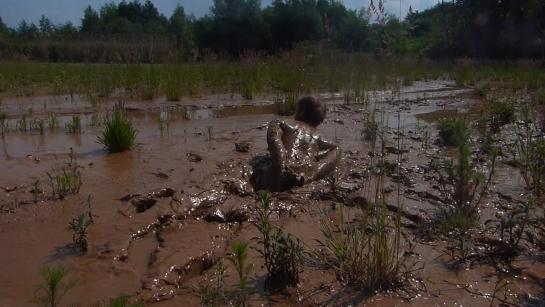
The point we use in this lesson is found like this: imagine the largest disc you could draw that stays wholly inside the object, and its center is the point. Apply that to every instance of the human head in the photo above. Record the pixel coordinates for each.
(310, 111)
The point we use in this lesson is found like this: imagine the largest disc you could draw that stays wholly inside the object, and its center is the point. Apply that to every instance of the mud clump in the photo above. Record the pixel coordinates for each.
(193, 157)
(242, 147)
(143, 204)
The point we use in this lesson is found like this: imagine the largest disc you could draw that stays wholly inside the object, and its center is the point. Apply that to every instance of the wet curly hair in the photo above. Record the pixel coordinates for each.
(310, 111)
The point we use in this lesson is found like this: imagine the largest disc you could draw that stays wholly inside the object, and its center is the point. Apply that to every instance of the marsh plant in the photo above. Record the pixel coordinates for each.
(286, 104)
(74, 125)
(367, 254)
(213, 291)
(22, 123)
(239, 259)
(38, 125)
(52, 121)
(510, 226)
(53, 288)
(501, 113)
(463, 188)
(531, 153)
(119, 134)
(453, 131)
(3, 123)
(78, 226)
(123, 301)
(283, 254)
(65, 180)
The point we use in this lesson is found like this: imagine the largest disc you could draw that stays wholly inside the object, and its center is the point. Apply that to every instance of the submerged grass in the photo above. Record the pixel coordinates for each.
(119, 134)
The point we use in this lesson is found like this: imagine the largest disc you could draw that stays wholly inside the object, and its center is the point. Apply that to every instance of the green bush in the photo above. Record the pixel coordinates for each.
(119, 134)
(453, 131)
(501, 114)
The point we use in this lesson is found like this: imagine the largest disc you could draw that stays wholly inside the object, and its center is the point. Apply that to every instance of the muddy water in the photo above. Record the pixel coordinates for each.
(159, 254)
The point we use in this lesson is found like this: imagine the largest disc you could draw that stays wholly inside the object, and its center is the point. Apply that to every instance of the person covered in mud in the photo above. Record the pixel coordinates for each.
(298, 153)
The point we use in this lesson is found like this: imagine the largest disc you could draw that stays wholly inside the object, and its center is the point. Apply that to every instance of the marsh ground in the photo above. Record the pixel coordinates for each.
(161, 255)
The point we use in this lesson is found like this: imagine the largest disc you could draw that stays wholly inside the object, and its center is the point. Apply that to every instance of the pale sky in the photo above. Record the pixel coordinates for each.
(60, 11)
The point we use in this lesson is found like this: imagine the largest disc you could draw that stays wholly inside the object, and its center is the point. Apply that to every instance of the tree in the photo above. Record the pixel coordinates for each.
(180, 30)
(90, 21)
(46, 27)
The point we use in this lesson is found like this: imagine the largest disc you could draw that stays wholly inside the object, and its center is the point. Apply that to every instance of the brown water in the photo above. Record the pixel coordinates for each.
(159, 255)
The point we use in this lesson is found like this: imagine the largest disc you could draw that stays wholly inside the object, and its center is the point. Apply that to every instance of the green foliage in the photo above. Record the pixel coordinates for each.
(531, 153)
(22, 124)
(119, 134)
(53, 289)
(74, 125)
(286, 104)
(123, 301)
(364, 253)
(239, 259)
(79, 225)
(213, 291)
(52, 121)
(65, 181)
(453, 131)
(539, 96)
(501, 114)
(463, 188)
(283, 254)
(3, 123)
(511, 226)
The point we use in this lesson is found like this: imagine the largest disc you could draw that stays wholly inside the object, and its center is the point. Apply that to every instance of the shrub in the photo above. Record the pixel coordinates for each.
(453, 131)
(119, 134)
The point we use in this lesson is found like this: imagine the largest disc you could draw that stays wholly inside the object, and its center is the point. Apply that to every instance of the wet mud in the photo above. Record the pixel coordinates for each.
(166, 212)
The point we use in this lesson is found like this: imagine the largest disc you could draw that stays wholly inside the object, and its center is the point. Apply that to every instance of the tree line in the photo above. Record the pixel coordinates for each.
(134, 31)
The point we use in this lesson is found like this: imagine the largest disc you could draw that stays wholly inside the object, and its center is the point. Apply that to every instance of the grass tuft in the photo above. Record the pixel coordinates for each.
(119, 134)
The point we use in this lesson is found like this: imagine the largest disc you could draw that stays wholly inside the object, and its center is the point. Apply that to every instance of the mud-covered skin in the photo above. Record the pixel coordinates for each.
(299, 154)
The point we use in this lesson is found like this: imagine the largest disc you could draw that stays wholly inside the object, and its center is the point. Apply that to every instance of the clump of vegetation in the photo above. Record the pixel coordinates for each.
(239, 259)
(531, 153)
(501, 114)
(123, 301)
(22, 123)
(286, 104)
(510, 227)
(453, 131)
(119, 134)
(74, 125)
(463, 189)
(78, 226)
(370, 129)
(365, 254)
(539, 96)
(3, 123)
(213, 292)
(65, 181)
(38, 125)
(53, 289)
(52, 121)
(283, 254)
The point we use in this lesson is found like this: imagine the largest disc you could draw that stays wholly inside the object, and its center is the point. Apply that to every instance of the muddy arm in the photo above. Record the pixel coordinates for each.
(275, 145)
(326, 164)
